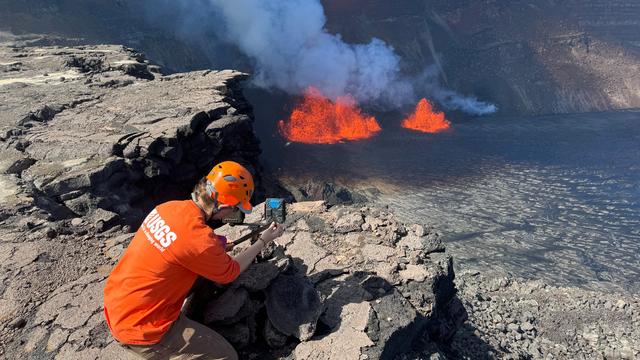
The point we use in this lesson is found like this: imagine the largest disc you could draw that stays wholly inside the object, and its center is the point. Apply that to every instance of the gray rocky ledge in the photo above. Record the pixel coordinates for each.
(81, 122)
(91, 137)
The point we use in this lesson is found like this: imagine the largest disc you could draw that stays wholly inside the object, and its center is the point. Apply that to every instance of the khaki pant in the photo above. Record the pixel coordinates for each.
(187, 339)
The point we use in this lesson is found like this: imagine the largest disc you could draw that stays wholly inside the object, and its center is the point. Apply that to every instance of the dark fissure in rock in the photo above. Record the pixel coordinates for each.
(167, 168)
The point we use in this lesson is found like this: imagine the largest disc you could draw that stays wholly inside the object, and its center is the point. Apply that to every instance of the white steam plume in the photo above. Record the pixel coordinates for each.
(427, 82)
(291, 51)
(469, 104)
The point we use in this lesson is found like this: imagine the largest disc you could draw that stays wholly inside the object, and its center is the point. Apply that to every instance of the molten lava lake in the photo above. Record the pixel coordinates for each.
(554, 197)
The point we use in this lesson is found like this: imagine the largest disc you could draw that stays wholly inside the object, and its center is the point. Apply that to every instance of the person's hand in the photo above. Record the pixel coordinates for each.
(273, 232)
(226, 245)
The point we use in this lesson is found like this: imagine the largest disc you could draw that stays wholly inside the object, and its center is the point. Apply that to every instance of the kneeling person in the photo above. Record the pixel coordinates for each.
(145, 291)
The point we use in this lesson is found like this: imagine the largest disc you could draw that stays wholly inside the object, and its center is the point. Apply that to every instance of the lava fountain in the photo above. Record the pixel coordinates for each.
(425, 119)
(318, 120)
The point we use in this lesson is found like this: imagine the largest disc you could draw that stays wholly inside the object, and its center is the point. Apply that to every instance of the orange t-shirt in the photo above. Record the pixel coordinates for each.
(145, 291)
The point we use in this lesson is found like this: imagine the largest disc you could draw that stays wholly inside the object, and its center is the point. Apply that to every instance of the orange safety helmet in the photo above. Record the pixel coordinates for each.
(231, 184)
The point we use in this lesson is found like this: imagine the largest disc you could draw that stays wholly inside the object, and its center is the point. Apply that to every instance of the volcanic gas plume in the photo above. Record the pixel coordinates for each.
(425, 119)
(318, 120)
(291, 49)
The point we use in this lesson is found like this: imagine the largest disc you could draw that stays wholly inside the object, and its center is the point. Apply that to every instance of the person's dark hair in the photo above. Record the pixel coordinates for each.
(200, 192)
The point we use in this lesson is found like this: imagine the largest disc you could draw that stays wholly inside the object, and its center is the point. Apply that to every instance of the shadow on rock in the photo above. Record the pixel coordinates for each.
(274, 310)
(469, 345)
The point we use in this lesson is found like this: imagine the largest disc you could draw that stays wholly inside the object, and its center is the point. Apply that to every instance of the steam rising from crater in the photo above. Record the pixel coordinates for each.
(292, 51)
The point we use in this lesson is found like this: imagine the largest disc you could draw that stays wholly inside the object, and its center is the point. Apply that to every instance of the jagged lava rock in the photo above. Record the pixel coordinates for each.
(293, 306)
(96, 133)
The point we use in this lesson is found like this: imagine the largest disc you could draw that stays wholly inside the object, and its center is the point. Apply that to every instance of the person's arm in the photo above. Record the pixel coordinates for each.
(246, 257)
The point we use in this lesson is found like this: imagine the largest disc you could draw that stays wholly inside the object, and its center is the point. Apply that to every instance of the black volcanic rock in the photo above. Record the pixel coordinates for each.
(91, 137)
(82, 121)
(293, 306)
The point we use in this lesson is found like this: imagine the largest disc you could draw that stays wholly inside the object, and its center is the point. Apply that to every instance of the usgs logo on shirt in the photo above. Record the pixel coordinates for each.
(157, 231)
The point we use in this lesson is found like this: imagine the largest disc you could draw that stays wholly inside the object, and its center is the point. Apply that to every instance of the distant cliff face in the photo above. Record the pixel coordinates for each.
(528, 57)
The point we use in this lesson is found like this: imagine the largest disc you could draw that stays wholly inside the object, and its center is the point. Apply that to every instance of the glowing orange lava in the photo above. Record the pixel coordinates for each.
(425, 119)
(318, 120)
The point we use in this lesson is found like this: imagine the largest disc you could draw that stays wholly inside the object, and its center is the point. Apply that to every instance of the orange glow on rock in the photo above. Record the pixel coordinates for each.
(318, 120)
(425, 119)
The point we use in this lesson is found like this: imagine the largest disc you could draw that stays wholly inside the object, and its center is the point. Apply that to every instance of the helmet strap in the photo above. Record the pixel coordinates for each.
(213, 194)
